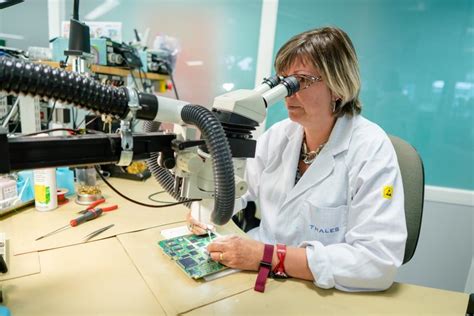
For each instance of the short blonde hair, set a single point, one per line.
(330, 50)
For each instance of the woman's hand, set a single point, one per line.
(237, 252)
(196, 227)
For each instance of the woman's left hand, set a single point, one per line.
(237, 252)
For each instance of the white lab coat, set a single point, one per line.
(354, 235)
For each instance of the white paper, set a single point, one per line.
(175, 232)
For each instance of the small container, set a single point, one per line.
(87, 189)
(8, 191)
(46, 198)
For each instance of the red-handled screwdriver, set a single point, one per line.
(87, 216)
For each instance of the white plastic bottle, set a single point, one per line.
(46, 198)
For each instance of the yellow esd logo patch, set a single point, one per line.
(387, 192)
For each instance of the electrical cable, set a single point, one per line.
(82, 121)
(131, 74)
(75, 14)
(9, 112)
(74, 131)
(144, 74)
(141, 78)
(74, 116)
(170, 72)
(174, 86)
(133, 78)
(95, 118)
(16, 126)
(150, 197)
(137, 202)
(51, 113)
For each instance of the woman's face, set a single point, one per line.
(309, 105)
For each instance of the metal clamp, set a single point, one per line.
(126, 155)
(133, 104)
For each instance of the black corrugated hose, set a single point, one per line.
(162, 175)
(219, 149)
(19, 76)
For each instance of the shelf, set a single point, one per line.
(114, 71)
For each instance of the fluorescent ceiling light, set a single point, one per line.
(228, 86)
(439, 84)
(193, 63)
(102, 9)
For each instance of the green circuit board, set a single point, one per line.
(191, 255)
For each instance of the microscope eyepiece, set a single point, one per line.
(292, 84)
(272, 81)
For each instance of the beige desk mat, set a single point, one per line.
(96, 278)
(18, 266)
(30, 224)
(176, 292)
(22, 265)
(295, 297)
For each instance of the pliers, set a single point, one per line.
(94, 204)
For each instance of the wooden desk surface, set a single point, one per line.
(128, 274)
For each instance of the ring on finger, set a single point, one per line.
(221, 256)
(190, 227)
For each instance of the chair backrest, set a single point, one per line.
(413, 177)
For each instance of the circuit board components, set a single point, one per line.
(191, 255)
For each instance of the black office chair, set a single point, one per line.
(470, 305)
(413, 178)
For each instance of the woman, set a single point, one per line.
(327, 180)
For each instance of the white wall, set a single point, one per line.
(445, 251)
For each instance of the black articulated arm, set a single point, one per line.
(22, 77)
(20, 153)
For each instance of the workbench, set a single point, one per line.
(124, 272)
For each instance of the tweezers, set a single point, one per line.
(97, 232)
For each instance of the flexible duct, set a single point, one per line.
(223, 171)
(22, 77)
(162, 175)
(222, 166)
(18, 76)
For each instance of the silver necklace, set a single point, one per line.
(309, 157)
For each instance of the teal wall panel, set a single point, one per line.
(17, 28)
(417, 68)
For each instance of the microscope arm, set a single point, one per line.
(20, 153)
(21, 77)
(233, 118)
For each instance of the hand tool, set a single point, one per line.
(97, 232)
(87, 216)
(210, 229)
(94, 204)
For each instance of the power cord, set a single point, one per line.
(150, 197)
(73, 131)
(51, 113)
(137, 202)
(170, 72)
(9, 112)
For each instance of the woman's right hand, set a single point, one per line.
(196, 227)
